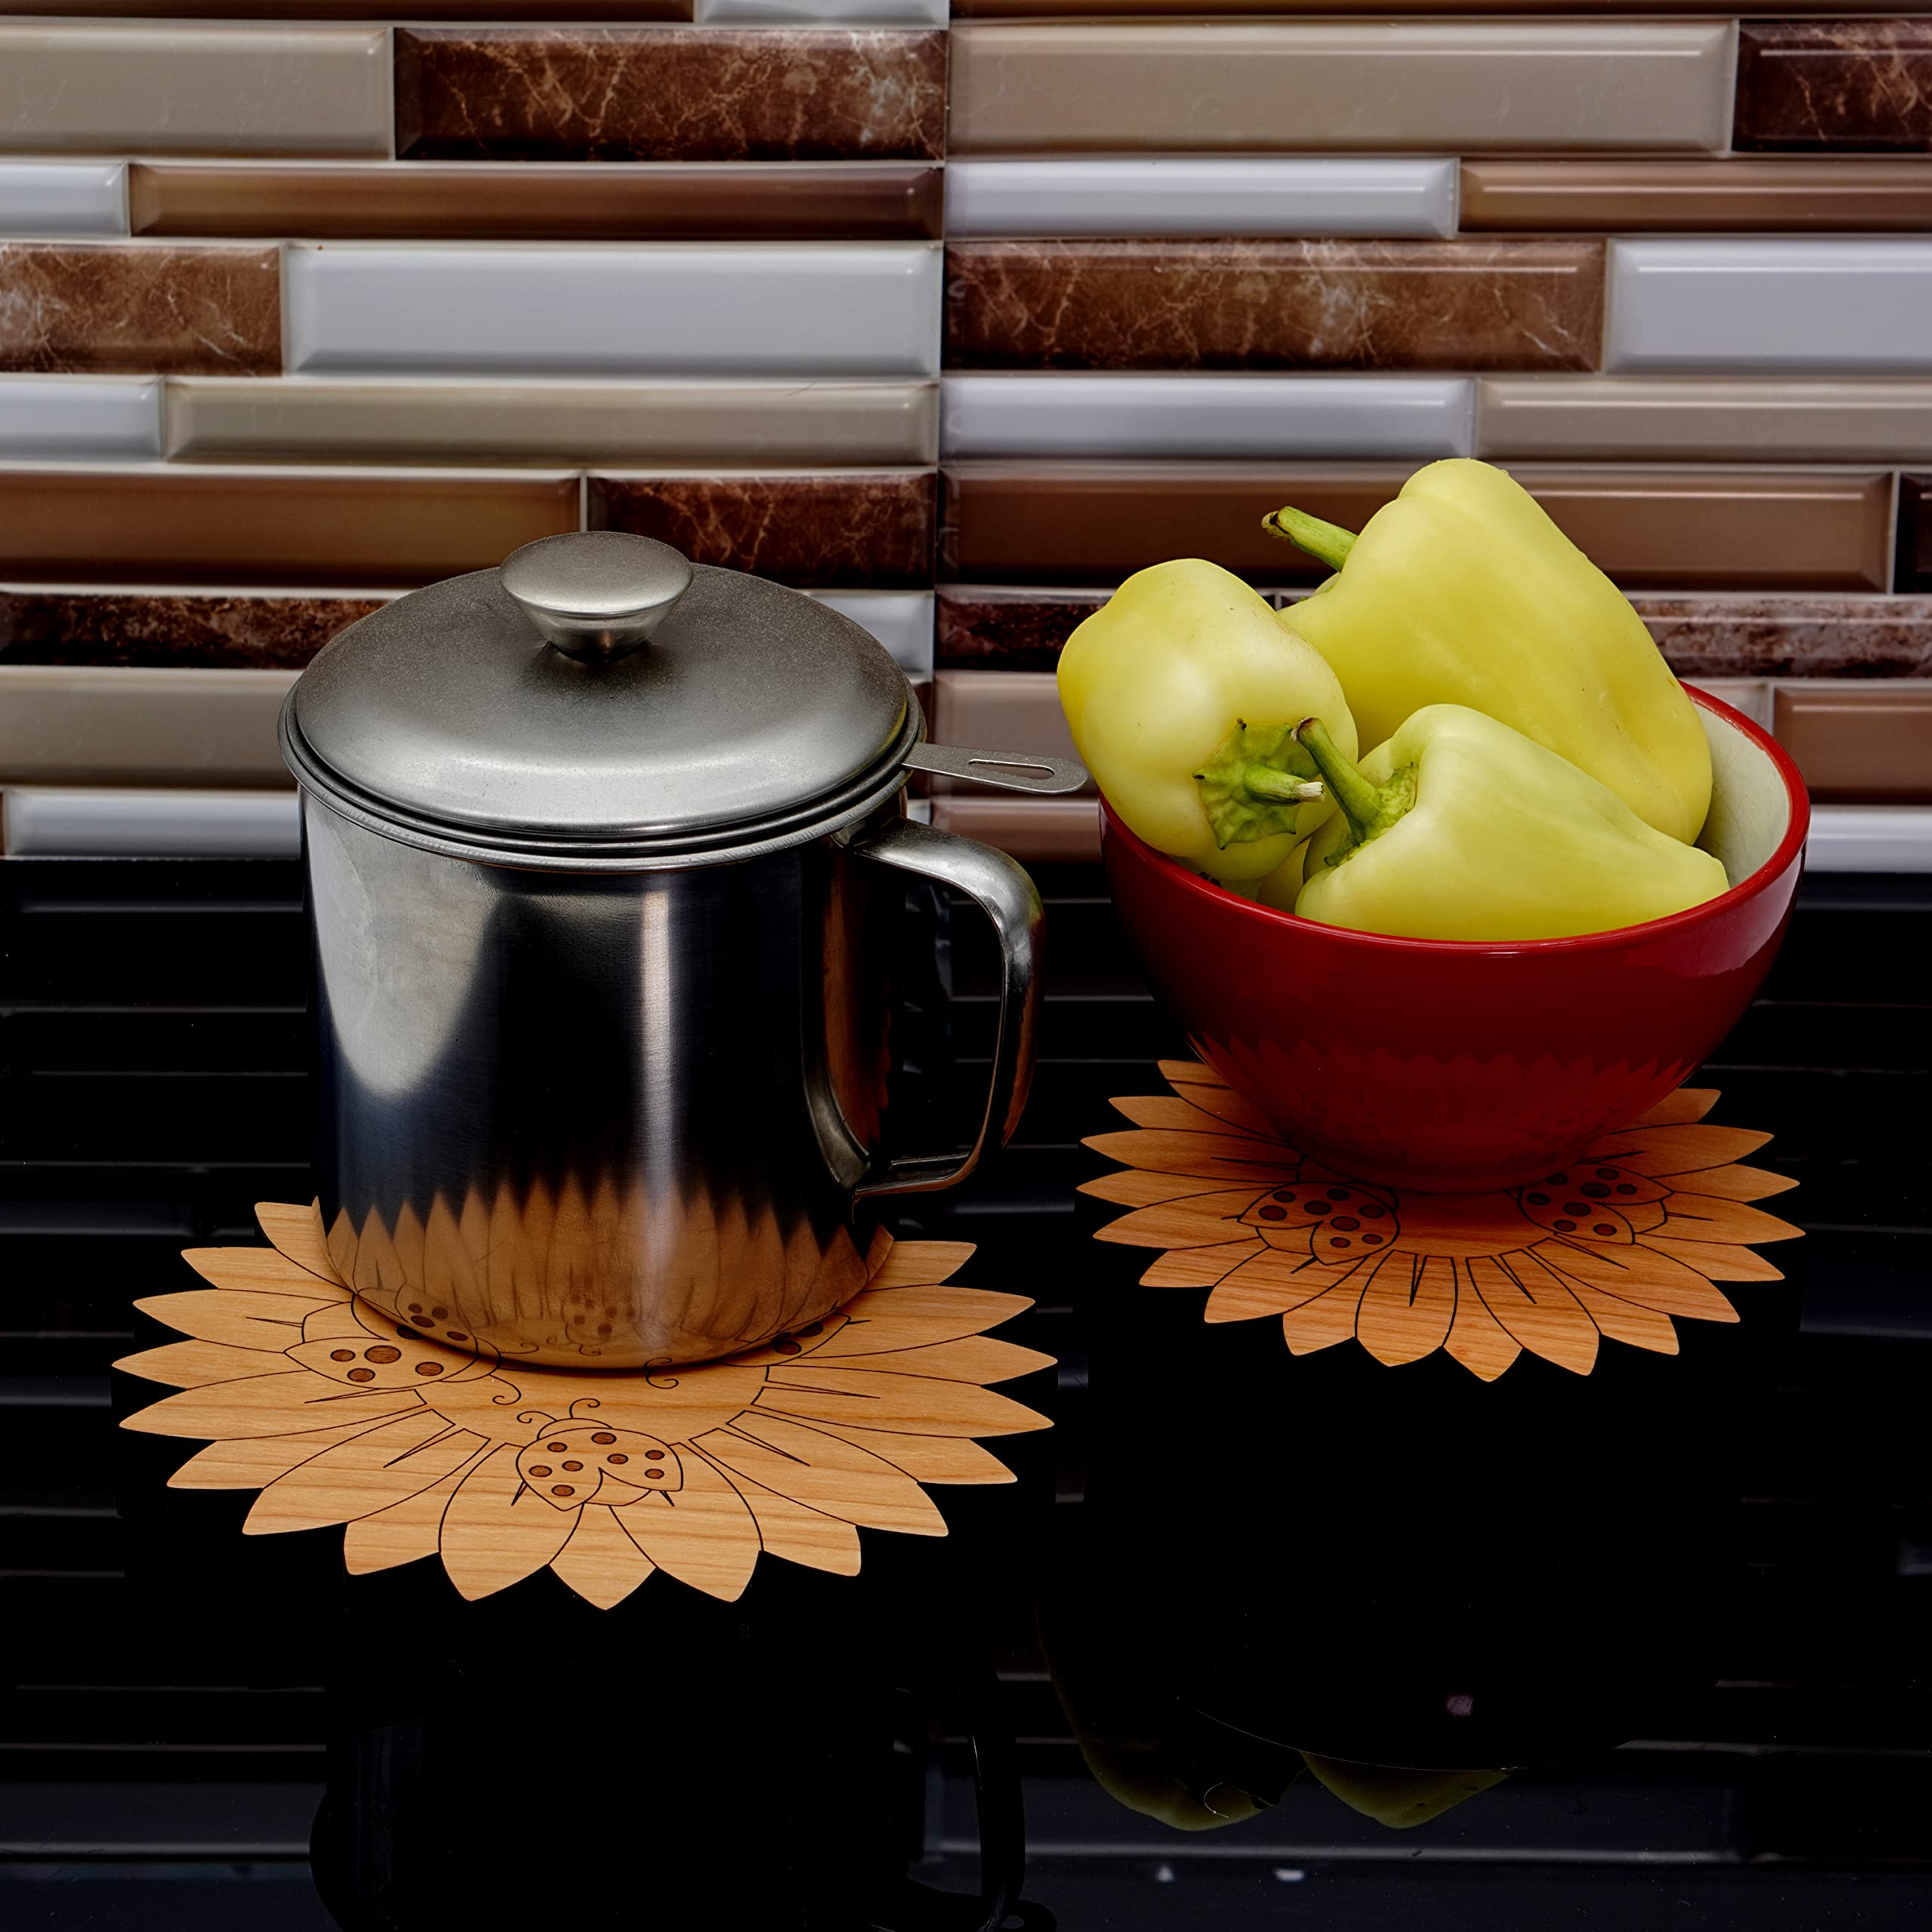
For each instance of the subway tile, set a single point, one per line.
(1686, 529)
(1863, 743)
(1915, 537)
(74, 306)
(858, 530)
(1291, 194)
(121, 821)
(227, 630)
(902, 620)
(1706, 637)
(336, 420)
(1799, 304)
(1188, 304)
(1001, 710)
(61, 726)
(1720, 418)
(1834, 84)
(651, 308)
(1786, 196)
(795, 12)
(989, 627)
(856, 201)
(64, 197)
(1751, 696)
(363, 10)
(965, 10)
(123, 88)
(1870, 838)
(671, 93)
(1035, 831)
(77, 417)
(1092, 414)
(1432, 85)
(269, 526)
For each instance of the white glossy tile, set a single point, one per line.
(1870, 838)
(1790, 302)
(1202, 195)
(1204, 415)
(804, 13)
(648, 308)
(70, 821)
(902, 620)
(64, 197)
(79, 418)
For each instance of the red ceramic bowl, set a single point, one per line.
(1454, 1066)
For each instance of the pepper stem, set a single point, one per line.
(1327, 541)
(1263, 781)
(1360, 802)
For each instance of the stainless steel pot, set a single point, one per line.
(601, 849)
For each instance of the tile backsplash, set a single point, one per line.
(951, 322)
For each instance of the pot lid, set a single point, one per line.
(599, 686)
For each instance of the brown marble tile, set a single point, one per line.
(1187, 304)
(1657, 197)
(979, 628)
(571, 201)
(1834, 84)
(146, 630)
(1859, 744)
(367, 528)
(1792, 637)
(1915, 535)
(361, 10)
(1679, 529)
(870, 529)
(671, 93)
(150, 310)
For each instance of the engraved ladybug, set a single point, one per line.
(1333, 1218)
(1596, 1201)
(575, 1462)
(369, 1353)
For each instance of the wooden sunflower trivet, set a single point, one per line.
(1637, 1230)
(337, 1415)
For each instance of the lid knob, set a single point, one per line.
(596, 593)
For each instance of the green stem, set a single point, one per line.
(1360, 802)
(1263, 781)
(1328, 541)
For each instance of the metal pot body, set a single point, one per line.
(609, 1118)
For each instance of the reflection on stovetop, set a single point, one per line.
(1267, 1635)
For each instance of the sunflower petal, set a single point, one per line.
(1223, 1156)
(1137, 1187)
(1663, 1151)
(1201, 1267)
(405, 1533)
(495, 1533)
(704, 1535)
(600, 1562)
(1477, 1340)
(916, 1318)
(284, 1404)
(920, 1264)
(1642, 1275)
(196, 1364)
(1693, 1217)
(824, 1473)
(789, 1530)
(1716, 1261)
(270, 1323)
(1172, 1112)
(1225, 1104)
(297, 1234)
(981, 1358)
(262, 1271)
(1736, 1183)
(815, 1390)
(925, 1458)
(1537, 1309)
(1327, 1319)
(1197, 1071)
(1202, 1220)
(387, 1465)
(256, 1461)
(1624, 1321)
(1405, 1314)
(1678, 1110)
(1272, 1283)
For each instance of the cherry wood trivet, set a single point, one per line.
(339, 1415)
(1633, 1235)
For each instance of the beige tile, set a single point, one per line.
(1742, 420)
(1863, 743)
(1374, 85)
(999, 710)
(194, 90)
(1038, 831)
(61, 725)
(805, 423)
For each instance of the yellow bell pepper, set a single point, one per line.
(1182, 694)
(1462, 591)
(1461, 828)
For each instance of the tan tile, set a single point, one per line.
(139, 307)
(116, 727)
(1000, 711)
(1684, 529)
(1862, 743)
(1060, 9)
(296, 419)
(1184, 304)
(1189, 85)
(1035, 831)
(1717, 419)
(419, 10)
(123, 88)
(267, 526)
(1658, 196)
(541, 201)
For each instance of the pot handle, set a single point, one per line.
(1004, 892)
